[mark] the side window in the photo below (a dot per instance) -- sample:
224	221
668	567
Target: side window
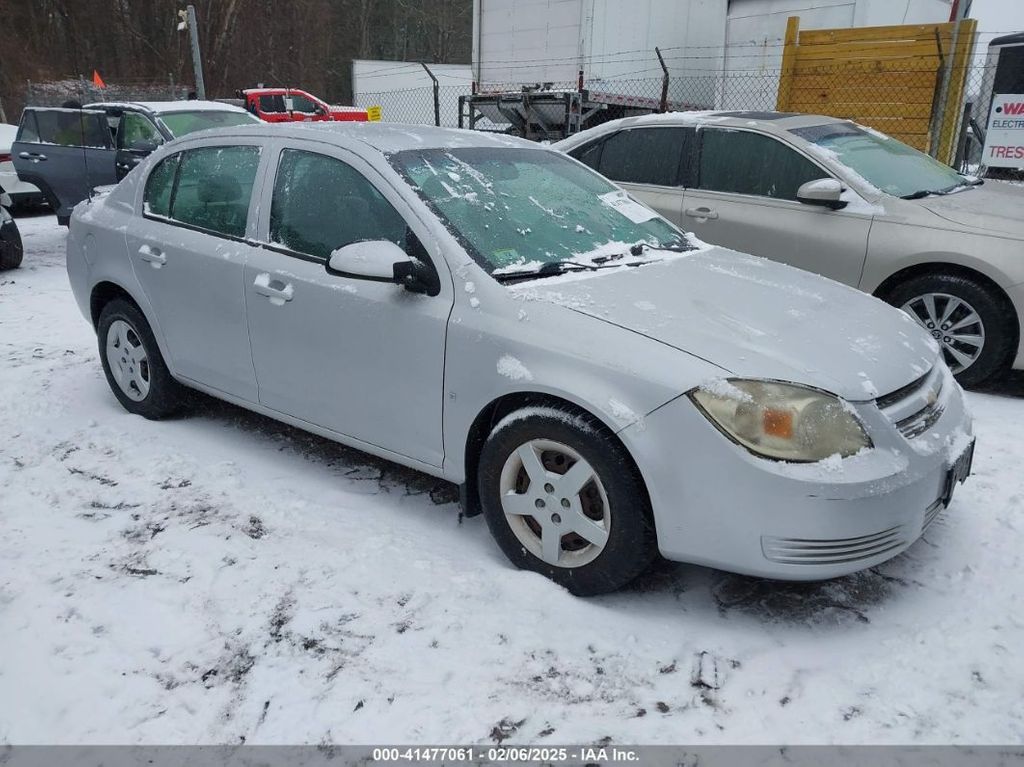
73	127
157	198
644	156
302	104
210	190
589	154
28	131
138	132
321	204
271	103
742	162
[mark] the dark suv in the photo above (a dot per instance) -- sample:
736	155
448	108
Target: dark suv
68	152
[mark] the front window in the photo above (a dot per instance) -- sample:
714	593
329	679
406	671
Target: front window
526	209
183	123
303	104
742	162
885	163
321	204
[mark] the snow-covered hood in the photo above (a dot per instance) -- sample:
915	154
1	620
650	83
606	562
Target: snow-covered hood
993	206
756	319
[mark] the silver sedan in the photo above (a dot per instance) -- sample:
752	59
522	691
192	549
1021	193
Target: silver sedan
600	385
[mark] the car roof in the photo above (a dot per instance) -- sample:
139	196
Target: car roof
166	107
773	121
383	137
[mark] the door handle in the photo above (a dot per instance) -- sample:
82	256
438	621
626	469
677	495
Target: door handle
33	156
154	256
701	213
277	291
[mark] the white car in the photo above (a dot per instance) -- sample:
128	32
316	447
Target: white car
20	192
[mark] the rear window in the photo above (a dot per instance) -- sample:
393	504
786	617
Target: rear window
183	123
66	127
208	188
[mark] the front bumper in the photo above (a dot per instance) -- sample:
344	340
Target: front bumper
717	504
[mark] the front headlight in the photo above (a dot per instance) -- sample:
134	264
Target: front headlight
782	421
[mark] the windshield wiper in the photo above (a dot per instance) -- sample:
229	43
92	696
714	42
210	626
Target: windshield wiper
919	194
555	268
940	192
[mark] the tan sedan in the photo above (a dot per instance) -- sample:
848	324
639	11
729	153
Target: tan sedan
841	200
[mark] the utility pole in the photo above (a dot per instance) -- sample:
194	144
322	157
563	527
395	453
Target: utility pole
189	22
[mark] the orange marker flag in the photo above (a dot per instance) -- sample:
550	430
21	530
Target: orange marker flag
97	80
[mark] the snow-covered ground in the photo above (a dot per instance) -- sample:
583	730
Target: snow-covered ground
222	577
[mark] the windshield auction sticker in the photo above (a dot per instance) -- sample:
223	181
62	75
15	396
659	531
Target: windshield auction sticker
627	206
1004	140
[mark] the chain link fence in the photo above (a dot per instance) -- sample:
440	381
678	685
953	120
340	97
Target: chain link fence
909	101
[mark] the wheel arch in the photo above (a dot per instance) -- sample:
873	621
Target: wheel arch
489	416
939	268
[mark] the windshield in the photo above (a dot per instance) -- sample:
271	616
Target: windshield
883	162
520	210
182	123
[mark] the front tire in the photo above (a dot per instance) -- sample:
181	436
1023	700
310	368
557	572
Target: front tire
133	365
973	325
562	498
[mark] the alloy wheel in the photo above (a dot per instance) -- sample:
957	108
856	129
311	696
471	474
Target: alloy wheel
954	323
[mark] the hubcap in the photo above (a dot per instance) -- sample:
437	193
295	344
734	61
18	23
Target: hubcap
954	323
126	357
541	476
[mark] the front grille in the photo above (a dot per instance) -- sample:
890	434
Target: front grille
916	407
831	551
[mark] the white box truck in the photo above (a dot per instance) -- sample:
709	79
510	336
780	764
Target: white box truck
549	68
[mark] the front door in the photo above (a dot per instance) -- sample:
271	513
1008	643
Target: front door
137	136
66	153
744	198
363	359
188	250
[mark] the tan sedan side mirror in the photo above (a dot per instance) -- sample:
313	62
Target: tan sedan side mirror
825	192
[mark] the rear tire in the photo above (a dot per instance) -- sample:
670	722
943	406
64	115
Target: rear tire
133	365
961	312
563	498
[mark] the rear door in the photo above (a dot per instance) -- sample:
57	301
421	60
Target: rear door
743	196
188	250
64	152
649	162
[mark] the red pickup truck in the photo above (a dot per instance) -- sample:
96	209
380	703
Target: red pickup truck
280	105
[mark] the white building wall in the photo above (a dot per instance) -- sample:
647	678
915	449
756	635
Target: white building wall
403	89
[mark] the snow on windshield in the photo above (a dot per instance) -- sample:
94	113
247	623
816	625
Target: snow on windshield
520	209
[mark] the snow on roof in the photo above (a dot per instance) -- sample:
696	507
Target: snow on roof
385	137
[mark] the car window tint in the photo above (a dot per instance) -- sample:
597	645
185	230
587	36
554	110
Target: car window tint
28	131
302	104
321	204
214	186
138	129
272	103
750	163
644	156
589	155
71	127
157	198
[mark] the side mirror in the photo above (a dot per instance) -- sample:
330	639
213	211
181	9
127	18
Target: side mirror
143	146
383	261
5	200
825	192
